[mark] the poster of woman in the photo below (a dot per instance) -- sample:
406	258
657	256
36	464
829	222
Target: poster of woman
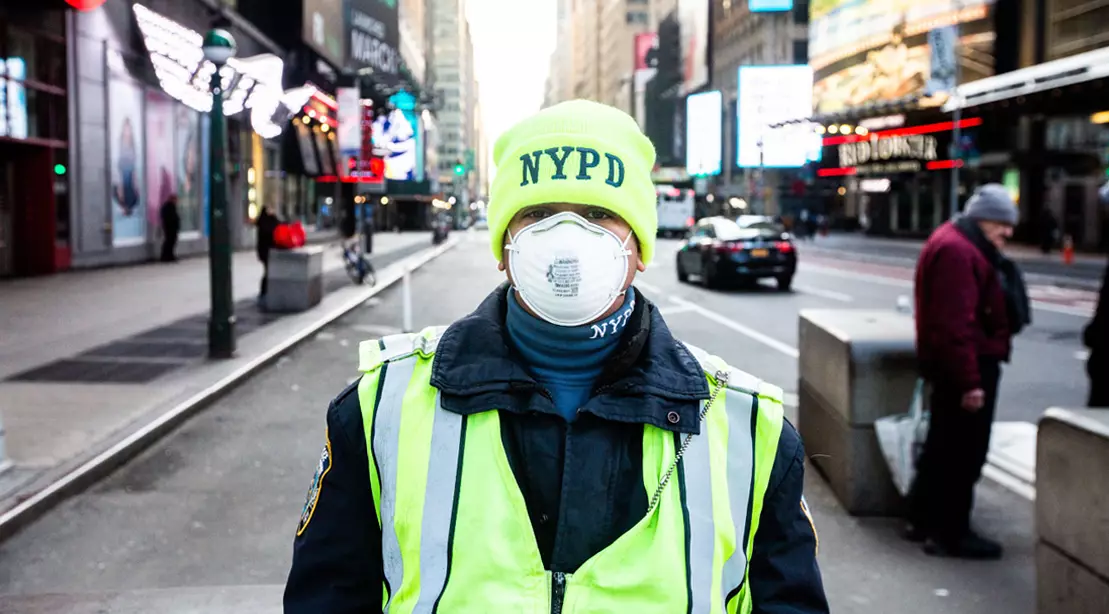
128	198
188	170
161	174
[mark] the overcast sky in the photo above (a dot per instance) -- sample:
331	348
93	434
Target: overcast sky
513	41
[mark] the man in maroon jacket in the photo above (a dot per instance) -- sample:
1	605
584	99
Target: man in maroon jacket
970	300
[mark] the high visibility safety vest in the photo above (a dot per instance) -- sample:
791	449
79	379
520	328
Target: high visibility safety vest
456	536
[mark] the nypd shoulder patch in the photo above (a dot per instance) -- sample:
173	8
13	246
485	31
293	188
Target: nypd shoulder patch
317	484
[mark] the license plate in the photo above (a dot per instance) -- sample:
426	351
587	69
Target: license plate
760	253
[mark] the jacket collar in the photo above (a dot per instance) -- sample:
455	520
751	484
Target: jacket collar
651	379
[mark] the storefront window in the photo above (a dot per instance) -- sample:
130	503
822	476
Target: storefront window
32	82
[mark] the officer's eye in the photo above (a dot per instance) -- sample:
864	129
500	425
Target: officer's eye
598	214
536	213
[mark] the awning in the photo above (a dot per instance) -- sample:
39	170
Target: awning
1081	68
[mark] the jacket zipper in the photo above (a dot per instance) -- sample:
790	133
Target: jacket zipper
558	591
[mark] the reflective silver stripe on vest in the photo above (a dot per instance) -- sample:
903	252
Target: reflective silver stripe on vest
386	441
741	471
435	530
697	474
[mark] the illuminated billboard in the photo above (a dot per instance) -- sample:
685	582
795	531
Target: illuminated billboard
769	95
876	50
766	6
702	134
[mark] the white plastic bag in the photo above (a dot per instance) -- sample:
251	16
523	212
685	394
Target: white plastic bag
901	437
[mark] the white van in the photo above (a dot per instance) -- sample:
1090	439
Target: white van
675	210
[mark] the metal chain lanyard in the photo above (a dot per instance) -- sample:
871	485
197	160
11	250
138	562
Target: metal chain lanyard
721	384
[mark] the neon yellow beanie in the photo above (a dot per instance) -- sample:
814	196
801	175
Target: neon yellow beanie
577	152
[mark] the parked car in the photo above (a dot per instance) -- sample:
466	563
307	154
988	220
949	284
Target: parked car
720	249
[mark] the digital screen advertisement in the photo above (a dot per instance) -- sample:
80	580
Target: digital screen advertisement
703	134
769	95
878	50
766	6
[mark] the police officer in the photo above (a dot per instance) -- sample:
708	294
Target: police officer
558	450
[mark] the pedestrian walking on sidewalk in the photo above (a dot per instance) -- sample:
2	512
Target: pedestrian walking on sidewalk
266	223
970	301
171	227
558	446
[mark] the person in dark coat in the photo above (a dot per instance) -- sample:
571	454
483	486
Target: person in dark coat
970	300
1096	339
171	227
267	223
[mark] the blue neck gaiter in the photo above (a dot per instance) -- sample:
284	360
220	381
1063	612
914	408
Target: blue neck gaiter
566	360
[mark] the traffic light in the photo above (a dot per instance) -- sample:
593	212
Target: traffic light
459	169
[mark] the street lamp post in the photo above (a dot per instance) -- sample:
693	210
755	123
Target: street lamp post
219	46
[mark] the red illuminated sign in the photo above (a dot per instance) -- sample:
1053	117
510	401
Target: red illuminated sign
85	5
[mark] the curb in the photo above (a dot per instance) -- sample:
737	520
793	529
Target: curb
92	471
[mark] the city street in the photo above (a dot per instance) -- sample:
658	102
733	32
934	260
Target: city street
207	515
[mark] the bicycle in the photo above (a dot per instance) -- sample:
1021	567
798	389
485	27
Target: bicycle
358	266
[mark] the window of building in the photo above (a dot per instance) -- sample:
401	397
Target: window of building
801	52
636	17
33	77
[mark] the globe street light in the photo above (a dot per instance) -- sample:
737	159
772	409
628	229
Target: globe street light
219	47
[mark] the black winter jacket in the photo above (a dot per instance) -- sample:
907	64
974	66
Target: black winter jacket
581	481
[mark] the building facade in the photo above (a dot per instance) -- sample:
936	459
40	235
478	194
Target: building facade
741	37
621	21
452	81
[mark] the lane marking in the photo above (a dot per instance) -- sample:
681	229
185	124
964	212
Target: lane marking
727	322
766	340
902	283
673	309
822	293
1082	355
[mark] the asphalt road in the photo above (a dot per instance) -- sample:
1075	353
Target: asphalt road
213	507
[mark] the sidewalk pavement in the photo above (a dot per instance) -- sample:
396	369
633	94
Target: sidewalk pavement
87	358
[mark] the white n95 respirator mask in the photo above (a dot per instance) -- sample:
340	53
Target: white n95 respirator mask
567	270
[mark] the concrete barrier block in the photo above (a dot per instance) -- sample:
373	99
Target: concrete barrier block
862	362
1072	486
295	279
296	264
1062	585
847	456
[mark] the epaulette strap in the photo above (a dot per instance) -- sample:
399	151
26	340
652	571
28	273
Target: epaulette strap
738	381
376	352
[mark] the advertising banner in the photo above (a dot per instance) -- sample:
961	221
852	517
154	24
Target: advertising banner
161	169
128	184
646	65
875	50
396	134
350	127
190	179
768	95
374	38
942	42
703	134
323	28
693	16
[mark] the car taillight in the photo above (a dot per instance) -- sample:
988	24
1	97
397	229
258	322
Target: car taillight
784	246
689	222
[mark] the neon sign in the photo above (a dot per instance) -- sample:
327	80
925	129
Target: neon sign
252	83
85	5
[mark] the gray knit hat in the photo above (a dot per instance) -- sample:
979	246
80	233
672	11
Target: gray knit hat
992	203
